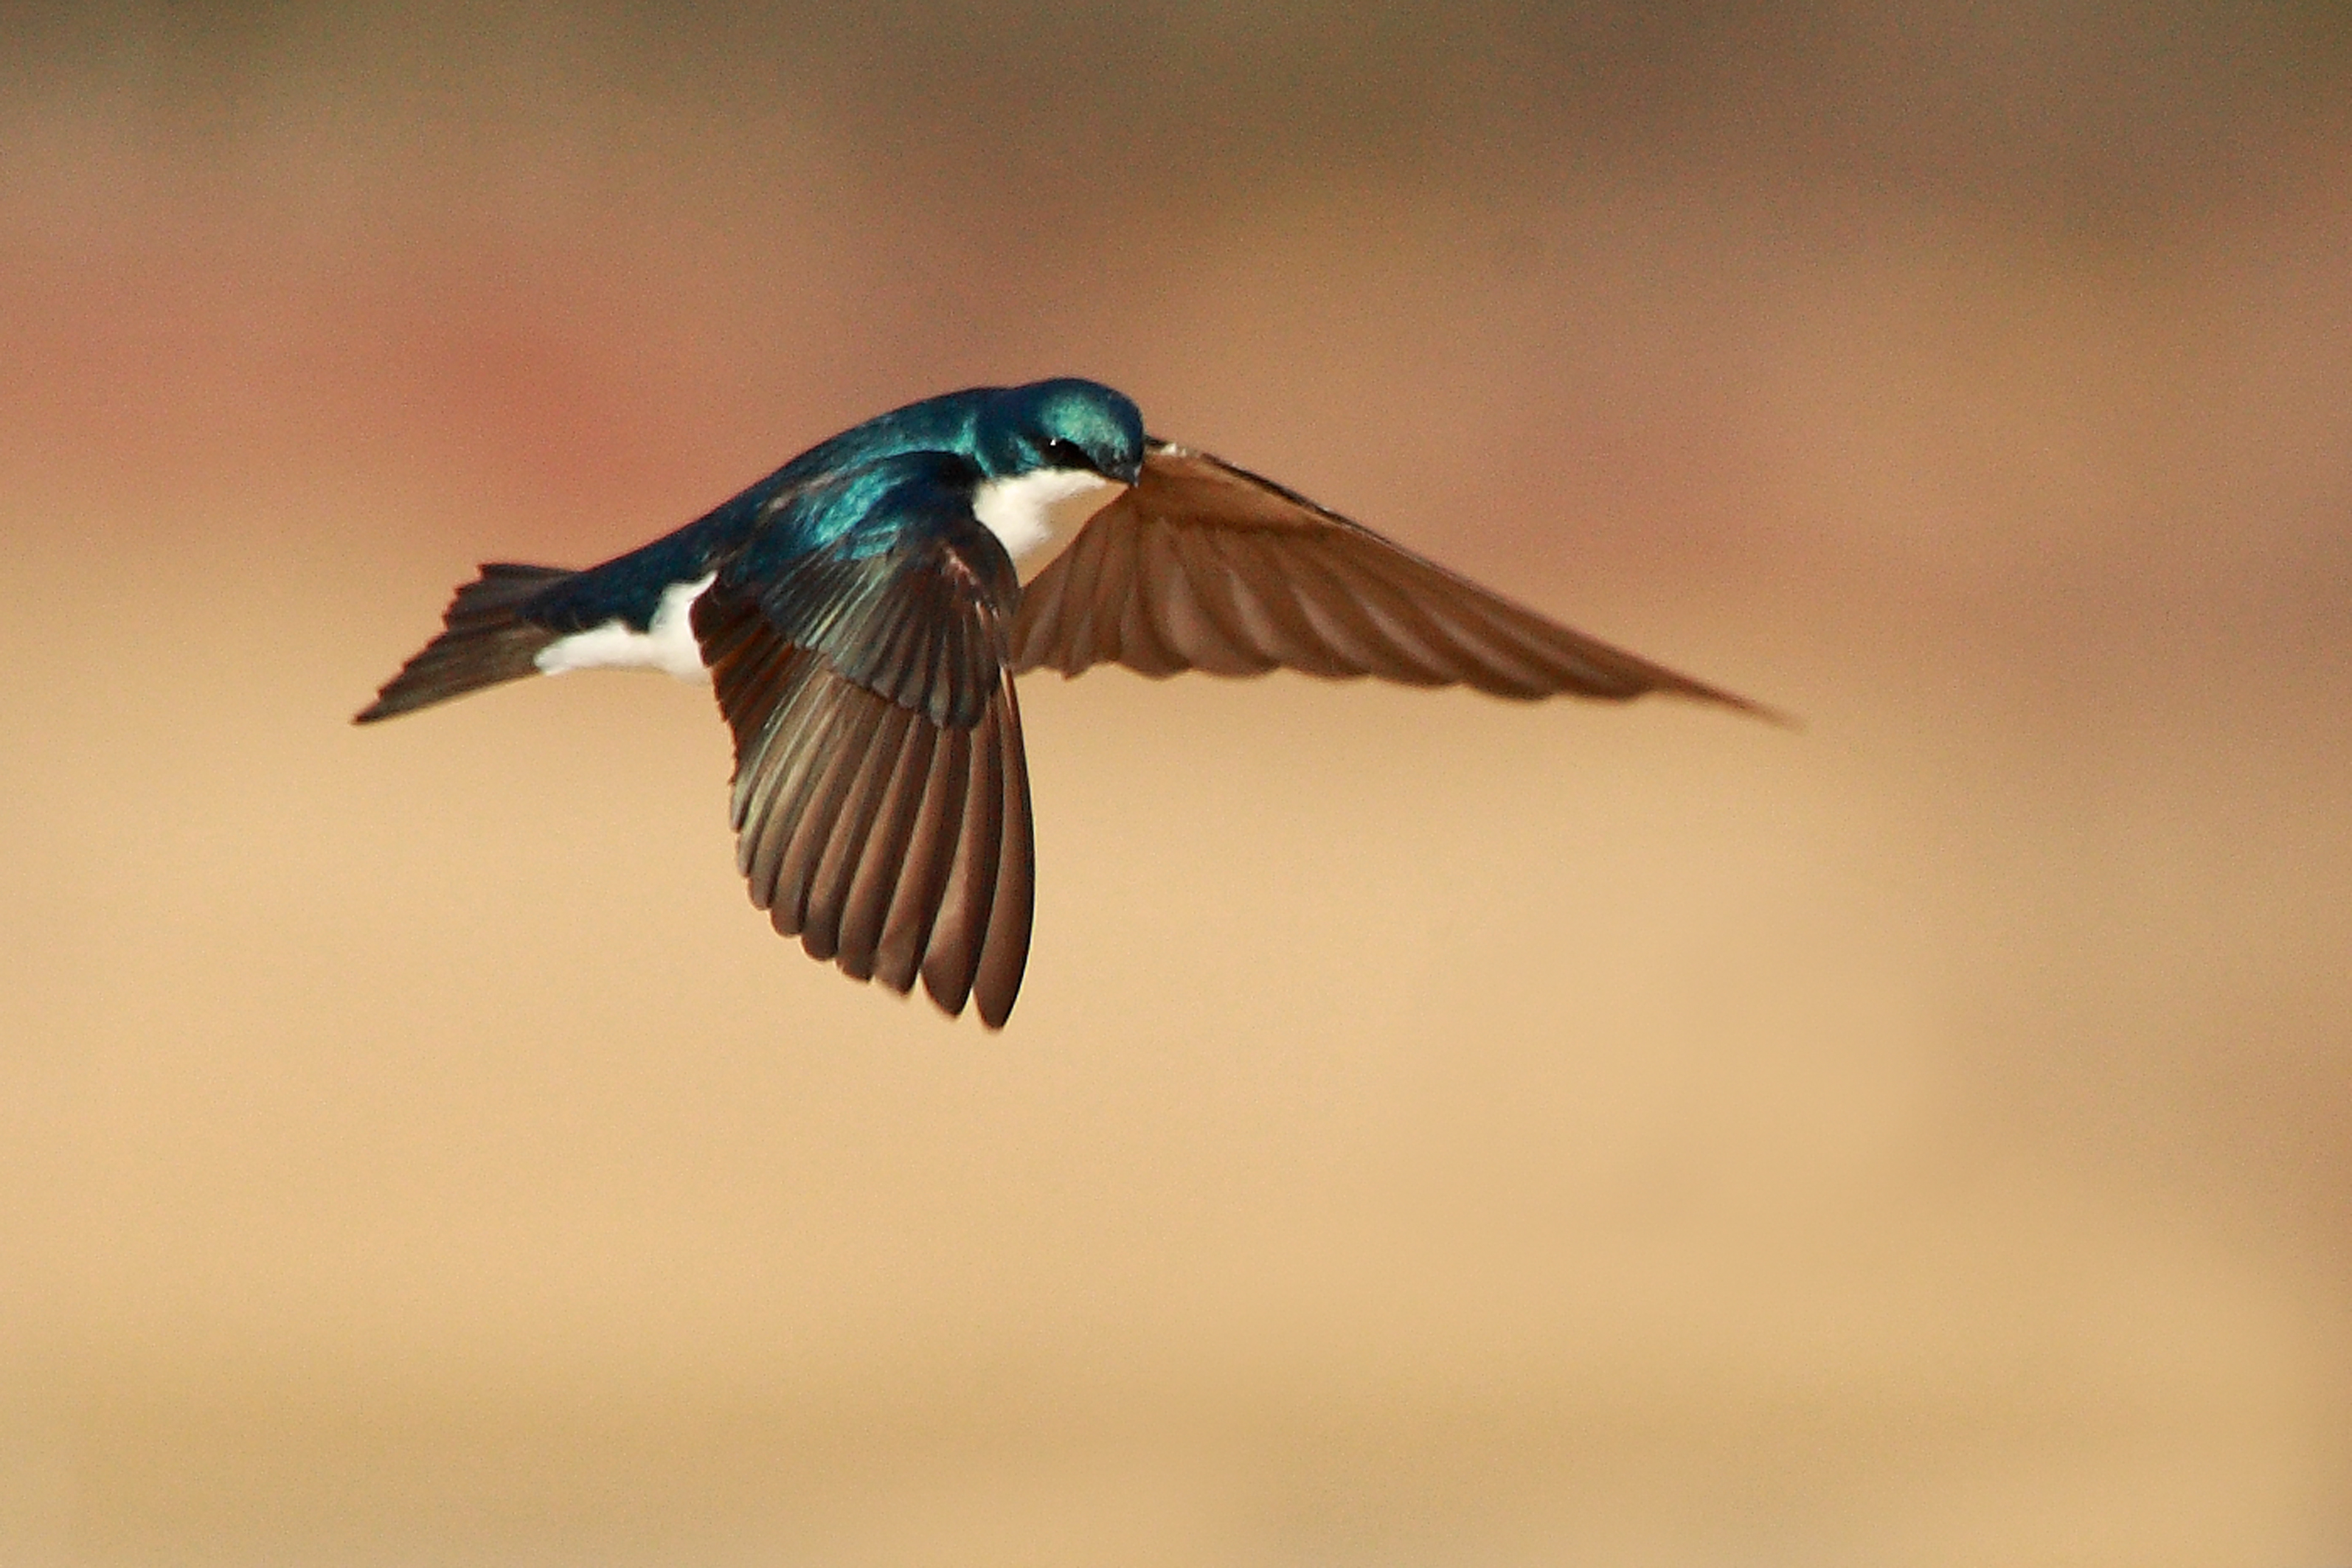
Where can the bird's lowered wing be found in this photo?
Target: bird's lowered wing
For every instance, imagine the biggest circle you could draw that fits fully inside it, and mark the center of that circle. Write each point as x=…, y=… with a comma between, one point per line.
x=881, y=797
x=1202, y=565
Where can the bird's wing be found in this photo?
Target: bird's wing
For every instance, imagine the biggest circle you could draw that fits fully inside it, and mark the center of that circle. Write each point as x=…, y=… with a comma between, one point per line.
x=881, y=797
x=1202, y=565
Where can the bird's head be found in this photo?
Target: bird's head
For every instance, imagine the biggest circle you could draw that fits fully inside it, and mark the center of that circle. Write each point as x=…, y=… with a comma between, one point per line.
x=1065, y=424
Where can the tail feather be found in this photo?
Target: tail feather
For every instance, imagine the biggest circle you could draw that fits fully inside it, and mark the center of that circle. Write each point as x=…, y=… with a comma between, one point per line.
x=486, y=642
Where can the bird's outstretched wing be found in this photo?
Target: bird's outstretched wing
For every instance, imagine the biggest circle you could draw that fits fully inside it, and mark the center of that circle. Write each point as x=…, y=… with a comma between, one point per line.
x=1202, y=565
x=881, y=798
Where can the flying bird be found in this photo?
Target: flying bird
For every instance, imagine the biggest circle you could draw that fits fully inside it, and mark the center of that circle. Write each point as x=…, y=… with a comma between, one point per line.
x=862, y=612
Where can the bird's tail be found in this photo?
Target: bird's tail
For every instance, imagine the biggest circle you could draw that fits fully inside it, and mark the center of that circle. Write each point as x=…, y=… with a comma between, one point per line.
x=486, y=642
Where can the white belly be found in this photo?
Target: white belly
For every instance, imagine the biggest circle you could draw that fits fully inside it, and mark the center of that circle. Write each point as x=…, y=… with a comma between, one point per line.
x=667, y=645
x=1036, y=515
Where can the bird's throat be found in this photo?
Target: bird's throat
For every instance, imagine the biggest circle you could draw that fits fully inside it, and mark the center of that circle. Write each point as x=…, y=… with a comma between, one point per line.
x=1035, y=515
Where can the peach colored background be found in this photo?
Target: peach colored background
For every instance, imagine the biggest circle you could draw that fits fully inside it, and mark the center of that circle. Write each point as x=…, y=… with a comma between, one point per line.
x=1436, y=1131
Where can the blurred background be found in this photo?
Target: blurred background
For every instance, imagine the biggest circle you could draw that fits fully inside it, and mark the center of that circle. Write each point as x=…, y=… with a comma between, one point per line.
x=1436, y=1131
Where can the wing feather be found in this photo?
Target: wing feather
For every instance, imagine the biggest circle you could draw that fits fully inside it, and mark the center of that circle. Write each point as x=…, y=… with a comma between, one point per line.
x=881, y=802
x=1104, y=598
x=1005, y=946
x=846, y=837
x=1203, y=565
x=1140, y=640
x=931, y=856
x=852, y=721
x=882, y=865
x=954, y=960
x=1223, y=643
x=1226, y=640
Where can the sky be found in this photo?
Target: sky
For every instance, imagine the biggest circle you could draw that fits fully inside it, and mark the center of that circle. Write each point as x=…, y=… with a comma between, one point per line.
x=1434, y=1129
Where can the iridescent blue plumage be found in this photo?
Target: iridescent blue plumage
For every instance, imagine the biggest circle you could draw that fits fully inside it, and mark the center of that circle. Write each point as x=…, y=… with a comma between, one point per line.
x=854, y=567
x=1002, y=432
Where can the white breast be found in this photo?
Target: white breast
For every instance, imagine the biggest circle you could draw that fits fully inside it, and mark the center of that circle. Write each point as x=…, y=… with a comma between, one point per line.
x=1037, y=514
x=668, y=644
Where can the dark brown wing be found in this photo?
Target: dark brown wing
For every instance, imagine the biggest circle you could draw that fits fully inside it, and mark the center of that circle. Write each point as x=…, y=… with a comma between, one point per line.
x=1202, y=565
x=883, y=820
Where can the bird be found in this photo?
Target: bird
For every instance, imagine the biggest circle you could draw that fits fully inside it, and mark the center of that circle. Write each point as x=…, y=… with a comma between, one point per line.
x=862, y=613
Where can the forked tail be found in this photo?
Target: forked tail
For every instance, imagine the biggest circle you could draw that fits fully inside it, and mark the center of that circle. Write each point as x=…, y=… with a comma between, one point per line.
x=486, y=642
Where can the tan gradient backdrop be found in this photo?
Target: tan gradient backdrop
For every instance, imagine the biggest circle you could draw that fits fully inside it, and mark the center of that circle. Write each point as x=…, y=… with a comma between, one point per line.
x=1436, y=1131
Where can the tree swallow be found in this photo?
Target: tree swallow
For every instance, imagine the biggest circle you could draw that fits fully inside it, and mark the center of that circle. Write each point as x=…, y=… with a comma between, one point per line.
x=862, y=613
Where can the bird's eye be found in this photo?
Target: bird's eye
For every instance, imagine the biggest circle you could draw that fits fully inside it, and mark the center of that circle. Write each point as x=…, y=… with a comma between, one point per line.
x=1065, y=453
